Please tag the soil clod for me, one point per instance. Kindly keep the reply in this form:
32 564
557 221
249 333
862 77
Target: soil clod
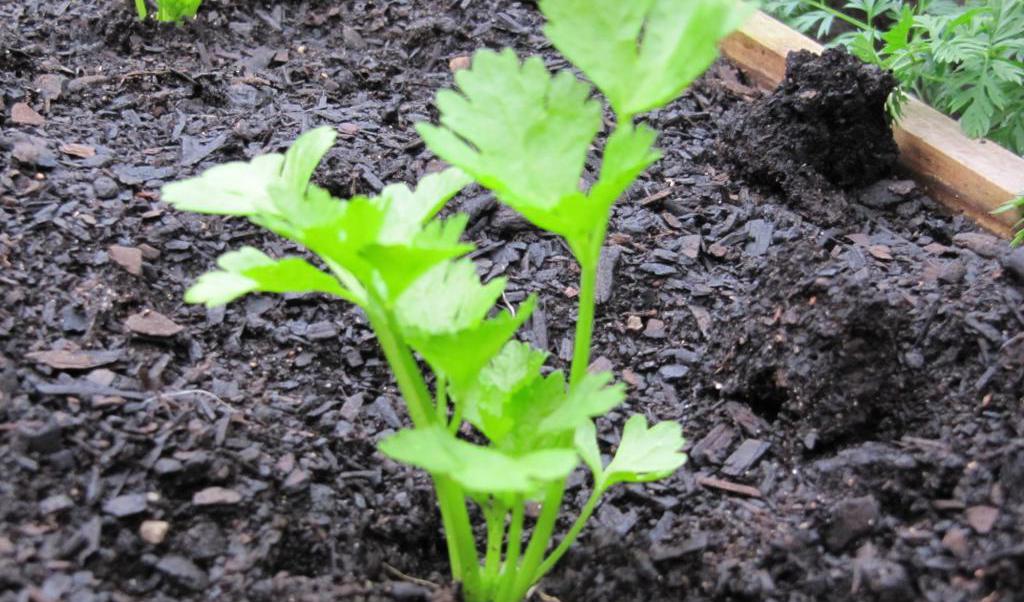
823 128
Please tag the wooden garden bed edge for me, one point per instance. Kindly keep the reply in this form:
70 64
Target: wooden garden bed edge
969 176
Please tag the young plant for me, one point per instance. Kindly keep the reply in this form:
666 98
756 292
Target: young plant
169 11
965 59
523 133
1016 207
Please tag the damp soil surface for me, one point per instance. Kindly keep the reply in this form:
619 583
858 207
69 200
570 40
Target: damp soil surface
849 382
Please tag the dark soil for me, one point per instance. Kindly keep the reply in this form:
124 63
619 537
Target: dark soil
823 128
850 381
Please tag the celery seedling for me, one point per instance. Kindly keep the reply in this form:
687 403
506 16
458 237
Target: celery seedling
169 11
525 134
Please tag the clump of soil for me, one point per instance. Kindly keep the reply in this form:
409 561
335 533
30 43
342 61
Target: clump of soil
823 127
833 370
836 359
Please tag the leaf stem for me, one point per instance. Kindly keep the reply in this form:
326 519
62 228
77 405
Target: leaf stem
458 535
407 374
453 426
495 517
539 540
841 15
571 536
584 317
510 572
441 393
465 563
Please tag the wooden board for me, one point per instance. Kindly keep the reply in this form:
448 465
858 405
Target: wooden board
969 176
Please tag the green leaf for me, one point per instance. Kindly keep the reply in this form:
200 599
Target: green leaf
519 410
645 454
628 152
406 211
516 366
898 37
862 46
447 299
371 237
1016 204
977 118
591 397
175 10
249 270
396 267
585 441
244 188
513 422
1017 207
305 154
443 317
478 469
462 355
511 371
328 226
641 53
236 188
519 132
509 374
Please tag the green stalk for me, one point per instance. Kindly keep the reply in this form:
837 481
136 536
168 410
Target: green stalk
407 373
495 516
515 541
539 540
571 536
585 317
462 544
458 531
841 15
543 530
441 406
453 426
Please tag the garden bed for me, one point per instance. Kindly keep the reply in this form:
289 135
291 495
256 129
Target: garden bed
850 384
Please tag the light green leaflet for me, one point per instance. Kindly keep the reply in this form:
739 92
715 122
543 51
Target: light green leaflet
519 410
514 369
243 188
521 133
175 10
231 189
380 244
407 210
443 315
641 53
478 469
249 270
593 396
644 454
